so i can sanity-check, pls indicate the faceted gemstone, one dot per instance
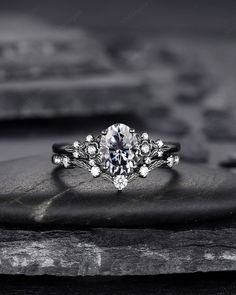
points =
(120, 182)
(92, 163)
(160, 153)
(66, 161)
(119, 150)
(170, 161)
(95, 171)
(56, 159)
(145, 148)
(144, 171)
(148, 160)
(89, 138)
(76, 144)
(76, 154)
(159, 143)
(91, 149)
(145, 136)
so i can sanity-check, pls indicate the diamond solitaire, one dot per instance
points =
(119, 154)
(119, 150)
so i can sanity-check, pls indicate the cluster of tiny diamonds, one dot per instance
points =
(148, 149)
(88, 151)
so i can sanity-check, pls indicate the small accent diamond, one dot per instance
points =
(95, 171)
(76, 144)
(170, 161)
(160, 153)
(143, 171)
(148, 160)
(56, 159)
(76, 154)
(89, 138)
(145, 136)
(159, 143)
(145, 148)
(120, 182)
(66, 161)
(119, 150)
(91, 149)
(92, 163)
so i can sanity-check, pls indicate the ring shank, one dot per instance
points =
(172, 147)
(60, 148)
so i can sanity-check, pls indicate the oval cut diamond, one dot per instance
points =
(119, 150)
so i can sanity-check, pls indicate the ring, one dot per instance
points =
(119, 154)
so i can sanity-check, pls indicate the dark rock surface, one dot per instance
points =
(33, 192)
(117, 252)
(222, 283)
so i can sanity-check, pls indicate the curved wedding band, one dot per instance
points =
(119, 154)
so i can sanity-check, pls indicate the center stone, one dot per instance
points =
(119, 150)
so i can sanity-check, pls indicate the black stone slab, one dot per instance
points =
(33, 192)
(117, 252)
(195, 284)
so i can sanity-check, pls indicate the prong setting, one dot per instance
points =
(89, 138)
(120, 182)
(143, 171)
(76, 144)
(104, 132)
(66, 161)
(132, 130)
(159, 143)
(56, 159)
(95, 171)
(145, 136)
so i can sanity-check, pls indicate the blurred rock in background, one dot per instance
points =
(62, 80)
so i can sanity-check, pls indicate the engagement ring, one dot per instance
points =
(119, 154)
